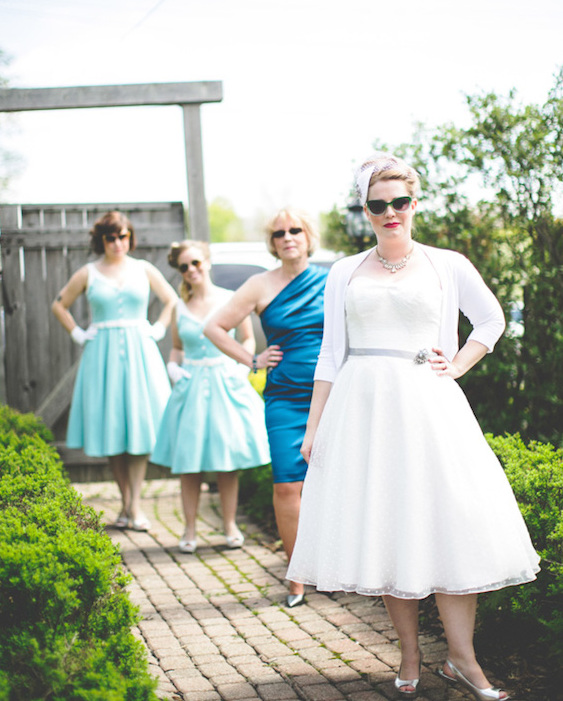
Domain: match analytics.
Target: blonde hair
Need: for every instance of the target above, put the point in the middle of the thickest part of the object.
(385, 166)
(299, 218)
(176, 249)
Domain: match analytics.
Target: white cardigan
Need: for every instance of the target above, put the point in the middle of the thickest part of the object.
(462, 289)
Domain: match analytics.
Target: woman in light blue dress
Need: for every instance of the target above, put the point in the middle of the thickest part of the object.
(121, 387)
(214, 420)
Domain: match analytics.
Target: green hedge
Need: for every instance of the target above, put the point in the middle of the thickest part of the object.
(65, 616)
(255, 486)
(531, 614)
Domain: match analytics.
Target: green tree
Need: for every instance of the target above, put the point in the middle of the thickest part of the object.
(334, 234)
(489, 192)
(517, 150)
(224, 224)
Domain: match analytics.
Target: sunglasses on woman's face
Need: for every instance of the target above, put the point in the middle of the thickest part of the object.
(378, 207)
(184, 267)
(111, 238)
(280, 233)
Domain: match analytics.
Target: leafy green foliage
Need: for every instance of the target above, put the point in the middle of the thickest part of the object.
(534, 612)
(335, 235)
(517, 617)
(22, 424)
(65, 615)
(255, 486)
(224, 224)
(516, 151)
(255, 496)
(489, 191)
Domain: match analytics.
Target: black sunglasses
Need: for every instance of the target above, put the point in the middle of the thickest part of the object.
(280, 233)
(399, 204)
(110, 238)
(185, 266)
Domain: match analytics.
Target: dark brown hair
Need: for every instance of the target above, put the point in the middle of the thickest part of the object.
(111, 223)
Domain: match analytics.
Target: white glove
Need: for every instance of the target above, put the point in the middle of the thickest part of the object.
(80, 336)
(176, 372)
(157, 331)
(242, 370)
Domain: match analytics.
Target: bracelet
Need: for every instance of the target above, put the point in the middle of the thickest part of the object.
(254, 365)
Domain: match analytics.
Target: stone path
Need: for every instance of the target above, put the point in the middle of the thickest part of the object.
(215, 623)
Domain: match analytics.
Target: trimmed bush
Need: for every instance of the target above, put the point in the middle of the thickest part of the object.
(65, 615)
(255, 496)
(527, 616)
(256, 486)
(533, 613)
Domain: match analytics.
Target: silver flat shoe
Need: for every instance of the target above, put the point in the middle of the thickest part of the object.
(187, 546)
(139, 524)
(122, 521)
(490, 694)
(294, 600)
(235, 541)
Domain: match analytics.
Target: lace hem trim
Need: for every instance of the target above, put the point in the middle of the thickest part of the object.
(390, 591)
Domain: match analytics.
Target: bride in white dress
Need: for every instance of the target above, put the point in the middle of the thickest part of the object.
(403, 496)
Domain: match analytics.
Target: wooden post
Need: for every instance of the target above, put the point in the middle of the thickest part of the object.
(197, 207)
(188, 95)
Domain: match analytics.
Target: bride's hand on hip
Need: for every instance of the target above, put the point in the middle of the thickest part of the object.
(442, 366)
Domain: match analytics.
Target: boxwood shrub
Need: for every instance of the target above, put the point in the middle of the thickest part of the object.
(65, 615)
(526, 616)
(532, 613)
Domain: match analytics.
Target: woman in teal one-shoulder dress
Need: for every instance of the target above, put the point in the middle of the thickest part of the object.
(214, 420)
(289, 301)
(121, 387)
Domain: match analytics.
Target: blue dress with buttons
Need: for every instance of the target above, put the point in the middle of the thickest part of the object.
(122, 387)
(214, 421)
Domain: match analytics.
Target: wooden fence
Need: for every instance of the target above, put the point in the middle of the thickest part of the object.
(40, 247)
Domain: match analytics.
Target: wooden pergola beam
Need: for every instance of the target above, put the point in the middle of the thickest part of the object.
(189, 96)
(25, 99)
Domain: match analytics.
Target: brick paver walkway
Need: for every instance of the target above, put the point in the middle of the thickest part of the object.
(215, 623)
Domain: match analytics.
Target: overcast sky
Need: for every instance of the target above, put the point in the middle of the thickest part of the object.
(308, 85)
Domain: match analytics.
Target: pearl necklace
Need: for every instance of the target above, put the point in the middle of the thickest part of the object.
(393, 267)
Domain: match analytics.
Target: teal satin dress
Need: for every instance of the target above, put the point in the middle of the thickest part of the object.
(294, 321)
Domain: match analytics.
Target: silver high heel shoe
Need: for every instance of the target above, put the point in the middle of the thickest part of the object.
(490, 694)
(400, 684)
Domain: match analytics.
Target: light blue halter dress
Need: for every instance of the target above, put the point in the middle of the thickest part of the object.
(122, 386)
(214, 421)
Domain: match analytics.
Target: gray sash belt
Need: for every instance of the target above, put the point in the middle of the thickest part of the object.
(418, 358)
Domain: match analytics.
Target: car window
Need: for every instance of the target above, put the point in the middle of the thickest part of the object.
(232, 275)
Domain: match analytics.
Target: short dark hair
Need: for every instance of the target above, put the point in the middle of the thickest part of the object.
(111, 223)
